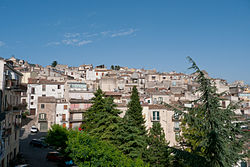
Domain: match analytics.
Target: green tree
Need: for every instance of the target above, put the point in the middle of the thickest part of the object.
(131, 136)
(209, 134)
(102, 118)
(54, 63)
(134, 111)
(57, 136)
(112, 67)
(86, 150)
(129, 139)
(157, 152)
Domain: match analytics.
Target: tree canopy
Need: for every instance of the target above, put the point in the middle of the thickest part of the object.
(86, 150)
(102, 118)
(209, 133)
(54, 63)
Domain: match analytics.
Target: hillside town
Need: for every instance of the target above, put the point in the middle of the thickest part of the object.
(60, 94)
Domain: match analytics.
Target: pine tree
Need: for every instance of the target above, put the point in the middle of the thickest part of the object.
(157, 153)
(208, 130)
(129, 139)
(101, 119)
(134, 111)
(131, 134)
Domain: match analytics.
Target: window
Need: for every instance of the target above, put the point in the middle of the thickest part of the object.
(155, 100)
(177, 126)
(160, 99)
(23, 101)
(156, 116)
(153, 77)
(42, 116)
(223, 104)
(63, 117)
(43, 95)
(31, 103)
(42, 106)
(43, 87)
(163, 77)
(65, 107)
(32, 90)
(58, 86)
(32, 97)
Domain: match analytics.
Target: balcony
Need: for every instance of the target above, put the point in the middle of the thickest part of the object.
(177, 129)
(77, 110)
(75, 120)
(155, 119)
(42, 119)
(63, 120)
(21, 106)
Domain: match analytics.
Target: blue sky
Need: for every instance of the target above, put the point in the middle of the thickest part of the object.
(142, 34)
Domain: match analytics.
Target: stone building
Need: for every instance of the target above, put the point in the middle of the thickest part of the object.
(10, 112)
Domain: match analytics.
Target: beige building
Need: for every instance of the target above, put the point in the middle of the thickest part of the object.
(46, 113)
(10, 112)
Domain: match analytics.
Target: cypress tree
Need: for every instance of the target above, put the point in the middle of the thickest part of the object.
(157, 153)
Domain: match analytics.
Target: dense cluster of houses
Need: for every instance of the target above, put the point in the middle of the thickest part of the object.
(60, 94)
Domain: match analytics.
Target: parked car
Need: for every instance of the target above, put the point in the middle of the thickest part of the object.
(38, 143)
(54, 156)
(33, 129)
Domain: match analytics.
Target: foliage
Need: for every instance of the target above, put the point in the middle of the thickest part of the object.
(101, 120)
(211, 138)
(86, 150)
(129, 139)
(157, 152)
(57, 136)
(131, 135)
(54, 63)
(134, 112)
(116, 67)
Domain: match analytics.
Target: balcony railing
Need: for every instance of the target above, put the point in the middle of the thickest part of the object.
(177, 129)
(75, 120)
(63, 120)
(77, 110)
(155, 119)
(21, 106)
(42, 119)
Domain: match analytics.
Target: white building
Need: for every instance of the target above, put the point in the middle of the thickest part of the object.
(41, 87)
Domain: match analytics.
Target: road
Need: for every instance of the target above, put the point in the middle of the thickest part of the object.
(35, 156)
